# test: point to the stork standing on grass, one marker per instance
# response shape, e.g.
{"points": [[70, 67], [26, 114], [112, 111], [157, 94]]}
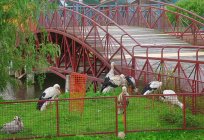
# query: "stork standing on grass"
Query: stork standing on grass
{"points": [[172, 98], [152, 86], [108, 76], [121, 100], [115, 81], [13, 127], [48, 94]]}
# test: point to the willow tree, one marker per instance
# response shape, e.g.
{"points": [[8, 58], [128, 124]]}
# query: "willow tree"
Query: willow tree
{"points": [[17, 43]]}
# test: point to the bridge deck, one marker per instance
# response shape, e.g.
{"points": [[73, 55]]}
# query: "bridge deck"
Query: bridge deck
{"points": [[146, 37]]}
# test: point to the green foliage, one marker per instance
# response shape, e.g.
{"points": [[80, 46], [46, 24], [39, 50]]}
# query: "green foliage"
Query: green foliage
{"points": [[91, 2], [40, 79], [195, 6], [17, 44], [166, 77], [176, 118]]}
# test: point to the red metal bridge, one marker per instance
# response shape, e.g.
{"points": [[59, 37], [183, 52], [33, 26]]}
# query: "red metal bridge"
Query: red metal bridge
{"points": [[141, 39]]}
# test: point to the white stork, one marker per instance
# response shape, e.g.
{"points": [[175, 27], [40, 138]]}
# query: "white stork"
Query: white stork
{"points": [[13, 127], [115, 81], [108, 76], [48, 94], [152, 86], [172, 98], [130, 81], [121, 99], [111, 72]]}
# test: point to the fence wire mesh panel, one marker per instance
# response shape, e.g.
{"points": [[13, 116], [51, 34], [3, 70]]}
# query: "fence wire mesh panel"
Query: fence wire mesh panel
{"points": [[199, 103], [194, 111], [77, 90], [99, 116], [156, 112], [22, 120]]}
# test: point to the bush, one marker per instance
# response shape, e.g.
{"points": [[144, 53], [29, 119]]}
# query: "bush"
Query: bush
{"points": [[176, 118], [195, 6]]}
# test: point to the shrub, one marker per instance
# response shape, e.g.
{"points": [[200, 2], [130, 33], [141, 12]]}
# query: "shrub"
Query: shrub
{"points": [[176, 118], [195, 6]]}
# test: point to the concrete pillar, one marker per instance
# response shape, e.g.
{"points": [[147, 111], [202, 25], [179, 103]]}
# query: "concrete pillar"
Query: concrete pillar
{"points": [[30, 76], [30, 89], [67, 87], [11, 71]]}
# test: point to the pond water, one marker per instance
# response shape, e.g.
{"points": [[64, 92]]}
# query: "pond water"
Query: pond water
{"points": [[25, 92]]}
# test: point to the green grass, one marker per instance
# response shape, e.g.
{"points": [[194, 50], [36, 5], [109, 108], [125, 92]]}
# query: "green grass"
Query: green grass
{"points": [[162, 135], [99, 116]]}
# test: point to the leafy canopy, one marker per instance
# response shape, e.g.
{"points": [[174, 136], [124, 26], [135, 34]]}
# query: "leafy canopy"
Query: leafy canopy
{"points": [[17, 43], [195, 6]]}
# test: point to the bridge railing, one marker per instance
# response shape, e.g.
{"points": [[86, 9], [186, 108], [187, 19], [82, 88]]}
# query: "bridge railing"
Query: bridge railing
{"points": [[180, 68], [91, 26], [159, 17]]}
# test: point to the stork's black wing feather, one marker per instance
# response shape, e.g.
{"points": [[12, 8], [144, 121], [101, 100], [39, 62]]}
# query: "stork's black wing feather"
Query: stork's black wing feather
{"points": [[129, 81], [41, 101], [147, 87], [105, 83], [108, 82]]}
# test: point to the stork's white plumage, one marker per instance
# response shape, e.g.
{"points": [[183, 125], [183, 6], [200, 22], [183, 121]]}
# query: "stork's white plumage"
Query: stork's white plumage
{"points": [[121, 99], [107, 79], [152, 86], [122, 94], [115, 81], [111, 72], [13, 127], [48, 94], [171, 97]]}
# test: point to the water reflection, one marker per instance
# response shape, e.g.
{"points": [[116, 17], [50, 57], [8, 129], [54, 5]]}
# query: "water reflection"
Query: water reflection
{"points": [[25, 92]]}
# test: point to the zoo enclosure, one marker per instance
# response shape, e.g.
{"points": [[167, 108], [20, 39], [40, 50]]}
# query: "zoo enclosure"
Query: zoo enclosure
{"points": [[100, 116]]}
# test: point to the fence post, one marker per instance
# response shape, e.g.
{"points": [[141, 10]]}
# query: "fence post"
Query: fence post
{"points": [[116, 113], [124, 114], [57, 117], [184, 111]]}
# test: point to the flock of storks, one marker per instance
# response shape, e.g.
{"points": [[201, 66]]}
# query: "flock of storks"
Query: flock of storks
{"points": [[111, 81]]}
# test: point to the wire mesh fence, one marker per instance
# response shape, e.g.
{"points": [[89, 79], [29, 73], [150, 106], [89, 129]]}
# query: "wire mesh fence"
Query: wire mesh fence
{"points": [[156, 112], [98, 117], [35, 123], [77, 90]]}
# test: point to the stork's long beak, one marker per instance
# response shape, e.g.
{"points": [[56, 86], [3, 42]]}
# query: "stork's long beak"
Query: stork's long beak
{"points": [[60, 90]]}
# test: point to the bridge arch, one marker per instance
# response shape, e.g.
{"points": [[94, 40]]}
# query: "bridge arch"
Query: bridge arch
{"points": [[76, 56], [89, 30], [64, 25]]}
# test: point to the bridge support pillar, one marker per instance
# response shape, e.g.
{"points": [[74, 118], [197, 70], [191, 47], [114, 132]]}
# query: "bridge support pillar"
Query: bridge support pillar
{"points": [[30, 78], [67, 87]]}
